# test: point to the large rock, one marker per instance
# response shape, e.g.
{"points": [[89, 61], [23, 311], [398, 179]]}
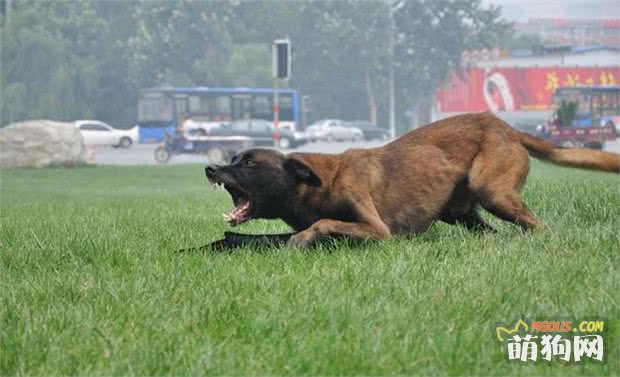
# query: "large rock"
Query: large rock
{"points": [[40, 143]]}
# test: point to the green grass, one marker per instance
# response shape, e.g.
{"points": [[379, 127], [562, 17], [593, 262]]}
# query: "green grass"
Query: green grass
{"points": [[90, 283]]}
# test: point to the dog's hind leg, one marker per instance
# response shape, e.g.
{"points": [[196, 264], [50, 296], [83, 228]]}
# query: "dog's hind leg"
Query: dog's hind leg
{"points": [[496, 182], [510, 207], [472, 221]]}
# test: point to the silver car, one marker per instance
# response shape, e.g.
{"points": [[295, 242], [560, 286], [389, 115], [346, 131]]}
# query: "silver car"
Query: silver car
{"points": [[332, 130]]}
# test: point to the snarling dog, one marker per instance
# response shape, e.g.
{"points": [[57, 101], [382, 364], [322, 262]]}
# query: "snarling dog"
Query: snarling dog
{"points": [[444, 171]]}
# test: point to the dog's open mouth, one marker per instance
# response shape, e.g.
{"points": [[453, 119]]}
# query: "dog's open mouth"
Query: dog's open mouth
{"points": [[243, 205]]}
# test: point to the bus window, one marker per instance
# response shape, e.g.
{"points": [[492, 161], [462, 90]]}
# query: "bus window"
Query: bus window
{"points": [[199, 107], [611, 103], [155, 108], [241, 107], [597, 105], [583, 106], [221, 109], [262, 107], [286, 107]]}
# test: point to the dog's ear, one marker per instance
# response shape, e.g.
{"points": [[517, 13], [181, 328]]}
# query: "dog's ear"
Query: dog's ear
{"points": [[301, 172]]}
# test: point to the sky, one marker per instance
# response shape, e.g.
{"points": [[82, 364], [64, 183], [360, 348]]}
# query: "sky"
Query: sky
{"points": [[522, 10]]}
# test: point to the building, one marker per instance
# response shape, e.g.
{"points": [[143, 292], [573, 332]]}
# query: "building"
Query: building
{"points": [[520, 88], [574, 32]]}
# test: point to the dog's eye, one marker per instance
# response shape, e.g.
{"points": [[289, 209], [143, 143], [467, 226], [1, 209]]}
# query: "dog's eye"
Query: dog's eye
{"points": [[249, 162]]}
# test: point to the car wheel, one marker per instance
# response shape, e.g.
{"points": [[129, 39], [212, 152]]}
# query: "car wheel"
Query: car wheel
{"points": [[125, 142], [162, 155], [285, 143], [216, 155]]}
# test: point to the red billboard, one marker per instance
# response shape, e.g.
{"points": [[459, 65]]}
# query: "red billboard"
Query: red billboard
{"points": [[516, 89]]}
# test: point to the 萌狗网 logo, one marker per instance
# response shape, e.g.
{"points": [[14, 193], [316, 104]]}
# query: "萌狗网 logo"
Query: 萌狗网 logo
{"points": [[550, 340]]}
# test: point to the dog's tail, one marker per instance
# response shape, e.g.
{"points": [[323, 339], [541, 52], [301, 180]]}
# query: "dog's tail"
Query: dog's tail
{"points": [[574, 157]]}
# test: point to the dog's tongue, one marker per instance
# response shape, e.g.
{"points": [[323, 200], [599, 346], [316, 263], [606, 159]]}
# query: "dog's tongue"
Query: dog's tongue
{"points": [[239, 214]]}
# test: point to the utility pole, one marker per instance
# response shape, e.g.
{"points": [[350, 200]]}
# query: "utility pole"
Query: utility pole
{"points": [[276, 103], [281, 51], [392, 105], [7, 13], [304, 111]]}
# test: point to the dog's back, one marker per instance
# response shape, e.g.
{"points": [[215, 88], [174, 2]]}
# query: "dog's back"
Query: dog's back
{"points": [[447, 169]]}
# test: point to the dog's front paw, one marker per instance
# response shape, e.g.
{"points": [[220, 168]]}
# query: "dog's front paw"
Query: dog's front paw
{"points": [[302, 239]]}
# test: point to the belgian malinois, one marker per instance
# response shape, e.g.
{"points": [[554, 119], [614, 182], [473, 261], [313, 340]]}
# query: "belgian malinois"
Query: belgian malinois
{"points": [[443, 171]]}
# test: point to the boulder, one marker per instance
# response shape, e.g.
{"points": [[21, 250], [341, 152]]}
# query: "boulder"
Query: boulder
{"points": [[40, 143]]}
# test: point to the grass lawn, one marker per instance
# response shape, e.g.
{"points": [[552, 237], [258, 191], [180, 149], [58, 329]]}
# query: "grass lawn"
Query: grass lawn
{"points": [[90, 283]]}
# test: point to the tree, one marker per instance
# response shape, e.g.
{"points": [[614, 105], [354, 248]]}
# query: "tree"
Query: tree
{"points": [[58, 62], [179, 43], [431, 37], [78, 59], [41, 75]]}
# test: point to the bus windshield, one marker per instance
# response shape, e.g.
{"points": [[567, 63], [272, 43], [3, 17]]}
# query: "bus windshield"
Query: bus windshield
{"points": [[592, 102], [575, 95]]}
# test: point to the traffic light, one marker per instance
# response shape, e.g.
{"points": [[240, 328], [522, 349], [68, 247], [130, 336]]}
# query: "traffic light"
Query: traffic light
{"points": [[282, 59]]}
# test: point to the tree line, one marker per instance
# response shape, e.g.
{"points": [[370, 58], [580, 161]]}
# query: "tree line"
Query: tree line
{"points": [[76, 59]]}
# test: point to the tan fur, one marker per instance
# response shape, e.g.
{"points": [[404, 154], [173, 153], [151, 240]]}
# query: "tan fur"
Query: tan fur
{"points": [[573, 157], [444, 171]]}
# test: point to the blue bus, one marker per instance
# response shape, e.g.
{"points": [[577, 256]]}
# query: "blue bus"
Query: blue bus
{"points": [[163, 110]]}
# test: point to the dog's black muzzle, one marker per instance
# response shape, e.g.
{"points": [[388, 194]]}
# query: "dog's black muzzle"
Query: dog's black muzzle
{"points": [[211, 172]]}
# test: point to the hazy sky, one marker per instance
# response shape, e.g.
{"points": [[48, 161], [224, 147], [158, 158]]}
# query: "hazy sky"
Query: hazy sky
{"points": [[522, 10]]}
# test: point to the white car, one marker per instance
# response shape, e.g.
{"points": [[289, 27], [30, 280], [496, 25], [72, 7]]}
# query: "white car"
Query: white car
{"points": [[333, 129], [95, 132]]}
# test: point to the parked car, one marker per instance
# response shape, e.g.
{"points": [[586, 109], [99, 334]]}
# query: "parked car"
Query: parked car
{"points": [[290, 139], [333, 129], [99, 133], [261, 132], [369, 130], [199, 128]]}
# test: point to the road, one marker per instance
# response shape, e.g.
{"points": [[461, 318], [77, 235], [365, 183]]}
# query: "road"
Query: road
{"points": [[143, 154]]}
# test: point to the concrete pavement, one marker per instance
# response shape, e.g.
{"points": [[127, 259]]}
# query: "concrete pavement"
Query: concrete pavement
{"points": [[143, 154]]}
